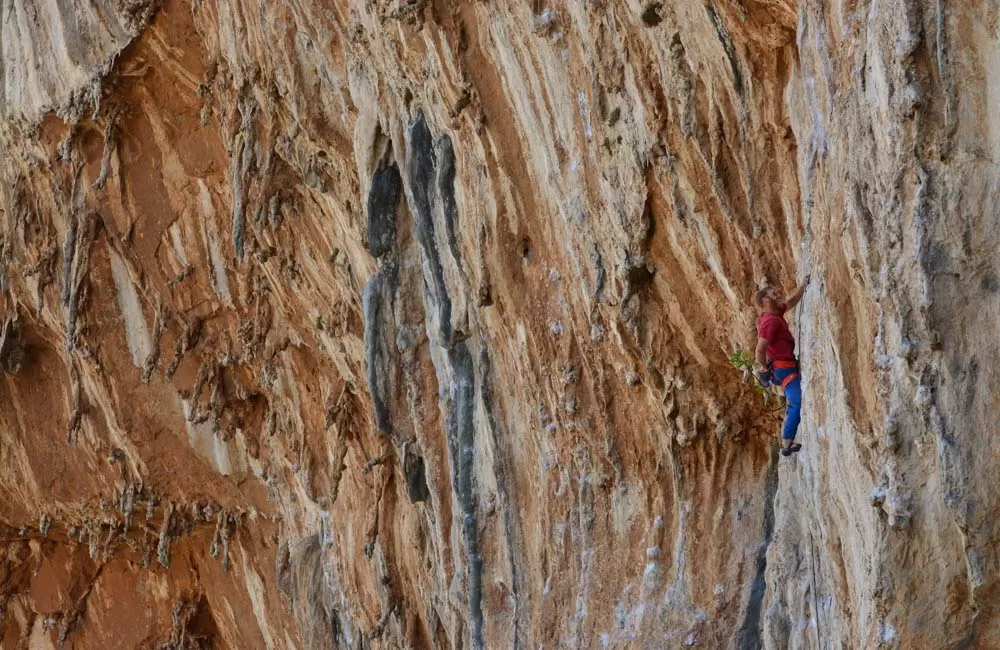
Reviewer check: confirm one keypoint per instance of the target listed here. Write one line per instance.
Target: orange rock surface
(410, 323)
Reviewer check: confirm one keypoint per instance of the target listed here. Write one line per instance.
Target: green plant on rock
(741, 360)
(744, 362)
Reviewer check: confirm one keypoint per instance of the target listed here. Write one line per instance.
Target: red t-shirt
(781, 343)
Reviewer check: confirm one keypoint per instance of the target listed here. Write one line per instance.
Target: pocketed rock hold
(416, 478)
(877, 497)
(12, 352)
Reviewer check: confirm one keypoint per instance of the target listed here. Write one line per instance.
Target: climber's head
(768, 298)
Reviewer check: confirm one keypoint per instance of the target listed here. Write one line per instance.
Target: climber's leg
(791, 381)
(793, 412)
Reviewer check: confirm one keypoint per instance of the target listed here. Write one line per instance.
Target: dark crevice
(651, 14)
(750, 634)
(383, 200)
(727, 45)
(415, 475)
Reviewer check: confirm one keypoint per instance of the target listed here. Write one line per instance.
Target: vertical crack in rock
(749, 636)
(727, 45)
(239, 196)
(511, 528)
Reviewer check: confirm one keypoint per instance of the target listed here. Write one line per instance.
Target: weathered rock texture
(401, 323)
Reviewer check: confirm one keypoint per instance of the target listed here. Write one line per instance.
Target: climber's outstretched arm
(794, 299)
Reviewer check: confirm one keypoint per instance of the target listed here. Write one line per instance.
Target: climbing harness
(766, 379)
(784, 364)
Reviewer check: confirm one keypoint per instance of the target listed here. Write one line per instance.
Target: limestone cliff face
(401, 323)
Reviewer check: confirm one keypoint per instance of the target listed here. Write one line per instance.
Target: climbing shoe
(790, 449)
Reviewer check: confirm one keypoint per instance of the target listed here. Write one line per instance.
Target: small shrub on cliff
(741, 360)
(744, 362)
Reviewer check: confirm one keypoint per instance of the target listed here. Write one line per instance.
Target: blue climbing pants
(793, 395)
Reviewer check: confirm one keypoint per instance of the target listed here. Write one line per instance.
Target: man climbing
(775, 357)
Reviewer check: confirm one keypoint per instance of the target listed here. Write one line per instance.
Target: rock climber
(776, 360)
